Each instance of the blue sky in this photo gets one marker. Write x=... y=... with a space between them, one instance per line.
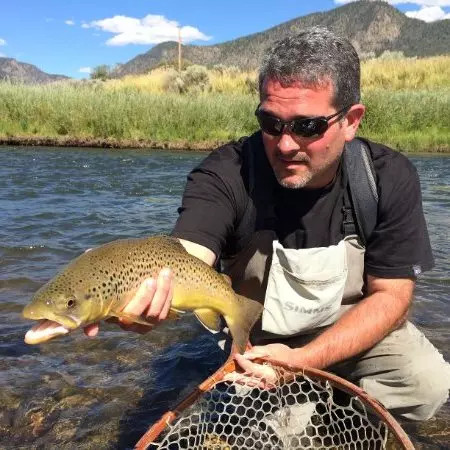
x=71 y=37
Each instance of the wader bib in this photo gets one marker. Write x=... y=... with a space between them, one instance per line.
x=302 y=290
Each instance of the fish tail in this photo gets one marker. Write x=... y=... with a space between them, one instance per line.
x=243 y=320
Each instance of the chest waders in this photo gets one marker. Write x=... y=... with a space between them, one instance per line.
x=304 y=290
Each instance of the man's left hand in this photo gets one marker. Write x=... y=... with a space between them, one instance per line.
x=260 y=375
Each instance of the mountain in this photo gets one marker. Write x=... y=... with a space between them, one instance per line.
x=15 y=71
x=372 y=27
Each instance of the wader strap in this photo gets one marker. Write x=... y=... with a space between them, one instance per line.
x=363 y=187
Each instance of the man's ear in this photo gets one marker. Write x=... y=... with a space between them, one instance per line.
x=353 y=119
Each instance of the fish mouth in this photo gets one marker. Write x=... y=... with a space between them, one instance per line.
x=49 y=326
x=43 y=331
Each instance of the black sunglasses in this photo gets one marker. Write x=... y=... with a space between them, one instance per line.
x=305 y=127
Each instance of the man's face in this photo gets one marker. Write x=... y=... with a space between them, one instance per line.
x=300 y=162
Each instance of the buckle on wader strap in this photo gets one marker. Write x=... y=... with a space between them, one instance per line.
x=348 y=222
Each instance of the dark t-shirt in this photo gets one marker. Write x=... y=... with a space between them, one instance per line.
x=219 y=211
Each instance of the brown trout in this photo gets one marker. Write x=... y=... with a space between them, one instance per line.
x=99 y=283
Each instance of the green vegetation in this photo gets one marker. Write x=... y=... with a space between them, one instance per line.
x=408 y=108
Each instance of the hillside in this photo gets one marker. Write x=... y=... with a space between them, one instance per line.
x=15 y=71
x=372 y=26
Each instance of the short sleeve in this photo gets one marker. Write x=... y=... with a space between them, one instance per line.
x=399 y=246
x=213 y=199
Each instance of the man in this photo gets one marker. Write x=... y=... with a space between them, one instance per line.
x=271 y=208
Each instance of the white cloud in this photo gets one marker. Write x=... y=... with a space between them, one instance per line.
x=430 y=11
x=429 y=14
x=85 y=70
x=151 y=29
x=2 y=55
x=69 y=22
x=2 y=41
x=404 y=2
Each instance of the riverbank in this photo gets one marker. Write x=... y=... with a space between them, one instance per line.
x=34 y=141
x=108 y=143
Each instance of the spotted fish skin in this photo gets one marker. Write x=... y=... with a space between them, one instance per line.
x=99 y=283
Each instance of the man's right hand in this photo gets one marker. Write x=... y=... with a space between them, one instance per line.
x=151 y=302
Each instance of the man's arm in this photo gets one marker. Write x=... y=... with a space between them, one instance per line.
x=382 y=311
x=360 y=328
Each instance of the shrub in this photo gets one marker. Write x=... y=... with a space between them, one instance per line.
x=195 y=77
x=173 y=81
x=102 y=73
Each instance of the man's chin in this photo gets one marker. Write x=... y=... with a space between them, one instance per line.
x=294 y=181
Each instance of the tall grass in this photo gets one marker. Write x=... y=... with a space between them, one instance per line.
x=408 y=114
x=76 y=111
x=406 y=73
x=393 y=74
x=221 y=81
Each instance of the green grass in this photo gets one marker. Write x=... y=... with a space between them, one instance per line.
x=407 y=120
x=411 y=121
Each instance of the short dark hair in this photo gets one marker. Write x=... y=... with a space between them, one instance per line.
x=315 y=57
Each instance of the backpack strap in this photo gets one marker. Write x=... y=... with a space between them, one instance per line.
x=363 y=187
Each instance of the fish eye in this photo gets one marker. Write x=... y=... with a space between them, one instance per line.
x=71 y=303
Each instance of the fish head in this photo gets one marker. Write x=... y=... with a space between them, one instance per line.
x=57 y=301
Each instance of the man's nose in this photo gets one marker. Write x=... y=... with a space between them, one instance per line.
x=287 y=144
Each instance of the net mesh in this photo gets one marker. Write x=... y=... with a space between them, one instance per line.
x=298 y=412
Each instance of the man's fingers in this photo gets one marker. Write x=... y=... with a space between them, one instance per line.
x=91 y=330
x=245 y=364
x=162 y=295
x=245 y=380
x=152 y=300
x=254 y=370
x=256 y=352
x=145 y=294
x=166 y=307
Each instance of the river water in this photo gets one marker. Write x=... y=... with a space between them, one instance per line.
x=103 y=393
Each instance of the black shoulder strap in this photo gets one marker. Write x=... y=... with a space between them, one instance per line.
x=363 y=186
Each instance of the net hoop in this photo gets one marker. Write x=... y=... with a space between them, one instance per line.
x=376 y=408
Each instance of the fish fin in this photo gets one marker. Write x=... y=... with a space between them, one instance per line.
x=209 y=318
x=174 y=314
x=227 y=278
x=129 y=317
x=240 y=325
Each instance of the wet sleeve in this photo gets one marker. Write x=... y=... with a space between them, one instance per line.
x=209 y=206
x=399 y=246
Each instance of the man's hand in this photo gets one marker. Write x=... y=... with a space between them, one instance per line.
x=152 y=302
x=260 y=375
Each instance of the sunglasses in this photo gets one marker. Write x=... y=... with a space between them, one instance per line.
x=305 y=127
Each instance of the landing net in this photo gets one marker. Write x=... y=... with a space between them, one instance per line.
x=309 y=409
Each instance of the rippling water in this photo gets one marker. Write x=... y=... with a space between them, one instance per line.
x=102 y=393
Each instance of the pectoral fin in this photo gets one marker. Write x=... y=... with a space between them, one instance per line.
x=209 y=318
x=130 y=317
x=174 y=314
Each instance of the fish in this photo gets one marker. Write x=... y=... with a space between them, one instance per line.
x=98 y=284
